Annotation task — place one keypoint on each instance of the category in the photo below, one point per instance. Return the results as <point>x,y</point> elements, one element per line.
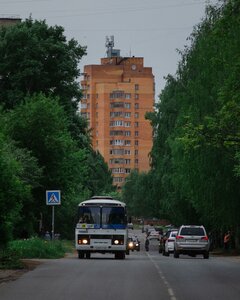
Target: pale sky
<point>152,29</point>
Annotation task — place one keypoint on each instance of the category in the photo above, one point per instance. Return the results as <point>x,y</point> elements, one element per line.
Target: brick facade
<point>117,94</point>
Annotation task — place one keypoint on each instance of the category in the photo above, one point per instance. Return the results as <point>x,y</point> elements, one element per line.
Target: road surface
<point>141,276</point>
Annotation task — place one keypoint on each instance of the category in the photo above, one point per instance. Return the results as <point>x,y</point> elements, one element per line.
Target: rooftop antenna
<point>109,45</point>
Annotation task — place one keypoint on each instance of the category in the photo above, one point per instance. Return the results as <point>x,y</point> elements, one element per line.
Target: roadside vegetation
<point>37,248</point>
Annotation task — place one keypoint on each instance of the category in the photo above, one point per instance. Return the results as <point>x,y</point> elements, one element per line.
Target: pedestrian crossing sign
<point>53,197</point>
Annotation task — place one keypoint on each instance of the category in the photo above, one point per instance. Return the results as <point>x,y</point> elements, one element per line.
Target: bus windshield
<point>103,217</point>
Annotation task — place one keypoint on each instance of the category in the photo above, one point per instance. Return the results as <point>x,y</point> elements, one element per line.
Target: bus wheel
<point>80,254</point>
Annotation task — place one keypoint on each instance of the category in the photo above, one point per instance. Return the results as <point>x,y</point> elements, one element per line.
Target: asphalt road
<point>141,276</point>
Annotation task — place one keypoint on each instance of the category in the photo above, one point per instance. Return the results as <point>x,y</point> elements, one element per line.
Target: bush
<point>38,248</point>
<point>10,260</point>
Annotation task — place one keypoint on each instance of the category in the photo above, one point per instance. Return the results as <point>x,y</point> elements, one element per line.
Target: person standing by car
<point>227,240</point>
<point>147,244</point>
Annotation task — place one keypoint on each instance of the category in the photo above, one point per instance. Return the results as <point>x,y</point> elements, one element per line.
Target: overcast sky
<point>152,29</point>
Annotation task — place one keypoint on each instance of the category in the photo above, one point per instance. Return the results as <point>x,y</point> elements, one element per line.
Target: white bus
<point>101,227</point>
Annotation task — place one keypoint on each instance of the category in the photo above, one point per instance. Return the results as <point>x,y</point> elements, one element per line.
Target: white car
<point>169,243</point>
<point>191,240</point>
<point>153,235</point>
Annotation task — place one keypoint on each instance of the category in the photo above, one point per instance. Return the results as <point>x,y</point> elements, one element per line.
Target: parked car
<point>169,243</point>
<point>191,240</point>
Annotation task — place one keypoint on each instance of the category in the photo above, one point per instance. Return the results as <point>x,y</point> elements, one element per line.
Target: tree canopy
<point>195,156</point>
<point>45,143</point>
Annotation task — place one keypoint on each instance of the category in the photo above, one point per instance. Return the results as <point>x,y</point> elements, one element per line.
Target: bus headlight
<point>83,240</point>
<point>118,240</point>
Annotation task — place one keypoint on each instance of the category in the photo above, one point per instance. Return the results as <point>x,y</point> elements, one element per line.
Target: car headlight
<point>116,242</point>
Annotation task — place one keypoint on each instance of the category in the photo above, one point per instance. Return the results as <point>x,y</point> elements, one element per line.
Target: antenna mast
<point>109,45</point>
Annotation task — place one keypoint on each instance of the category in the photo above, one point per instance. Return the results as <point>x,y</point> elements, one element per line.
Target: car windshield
<point>192,231</point>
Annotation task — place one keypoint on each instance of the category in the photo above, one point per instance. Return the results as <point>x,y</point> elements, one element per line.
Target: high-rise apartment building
<point>9,20</point>
<point>117,95</point>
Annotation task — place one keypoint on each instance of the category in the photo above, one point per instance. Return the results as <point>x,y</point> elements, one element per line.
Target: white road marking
<point>169,289</point>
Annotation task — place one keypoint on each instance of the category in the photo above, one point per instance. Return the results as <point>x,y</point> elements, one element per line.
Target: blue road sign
<point>53,197</point>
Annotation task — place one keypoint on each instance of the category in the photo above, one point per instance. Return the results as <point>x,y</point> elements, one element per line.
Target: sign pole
<point>53,198</point>
<point>52,222</point>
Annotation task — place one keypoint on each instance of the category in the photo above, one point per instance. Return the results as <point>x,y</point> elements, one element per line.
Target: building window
<point>118,170</point>
<point>116,151</point>
<point>136,133</point>
<point>84,115</point>
<point>127,171</point>
<point>127,152</point>
<point>83,105</point>
<point>136,115</point>
<point>136,124</point>
<point>127,133</point>
<point>127,115</point>
<point>118,179</point>
<point>127,96</point>
<point>136,152</point>
<point>136,143</point>
<point>127,143</point>
<point>136,87</point>
<point>136,161</point>
<point>117,94</point>
<point>136,96</point>
<point>127,124</point>
<point>127,161</point>
<point>116,114</point>
<point>127,105</point>
<point>116,132</point>
<point>117,142</point>
<point>116,104</point>
<point>116,123</point>
<point>116,161</point>
<point>136,105</point>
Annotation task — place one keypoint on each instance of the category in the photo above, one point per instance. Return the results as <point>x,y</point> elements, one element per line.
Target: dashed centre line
<point>163,278</point>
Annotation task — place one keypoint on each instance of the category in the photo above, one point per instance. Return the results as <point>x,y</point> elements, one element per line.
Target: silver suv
<point>191,240</point>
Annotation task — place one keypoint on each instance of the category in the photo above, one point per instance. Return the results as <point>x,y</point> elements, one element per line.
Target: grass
<point>10,258</point>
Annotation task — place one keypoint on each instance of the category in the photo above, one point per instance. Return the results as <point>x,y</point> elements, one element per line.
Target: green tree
<point>38,88</point>
<point>41,125</point>
<point>19,174</point>
<point>37,58</point>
